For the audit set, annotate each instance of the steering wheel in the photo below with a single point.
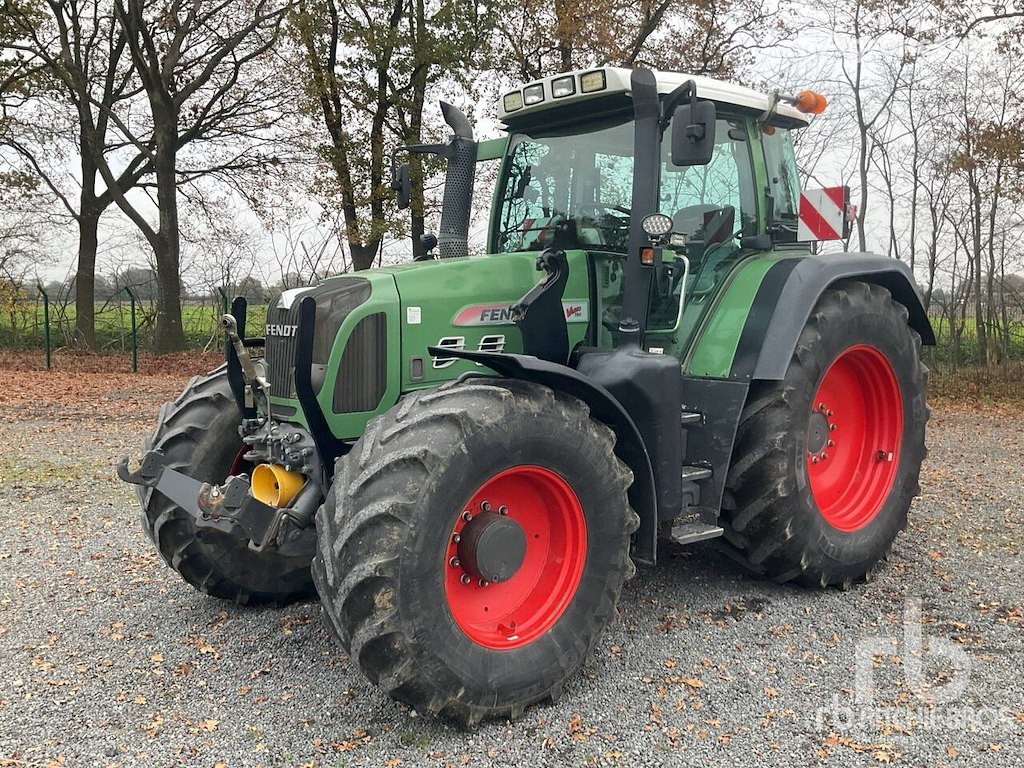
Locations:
(596, 210)
(611, 318)
(612, 221)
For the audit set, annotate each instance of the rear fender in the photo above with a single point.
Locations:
(629, 446)
(787, 296)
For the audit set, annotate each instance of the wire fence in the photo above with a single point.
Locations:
(23, 323)
(959, 368)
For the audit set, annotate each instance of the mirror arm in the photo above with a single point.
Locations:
(773, 107)
(441, 150)
(684, 93)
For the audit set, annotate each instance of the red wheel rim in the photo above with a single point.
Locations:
(240, 463)
(854, 436)
(521, 609)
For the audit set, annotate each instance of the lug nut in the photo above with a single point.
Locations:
(829, 413)
(831, 443)
(824, 455)
(831, 427)
(483, 582)
(467, 515)
(814, 459)
(454, 562)
(456, 538)
(485, 506)
(821, 406)
(502, 510)
(465, 578)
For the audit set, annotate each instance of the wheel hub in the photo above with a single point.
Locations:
(492, 547)
(817, 432)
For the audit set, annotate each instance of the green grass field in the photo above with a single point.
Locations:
(24, 327)
(968, 353)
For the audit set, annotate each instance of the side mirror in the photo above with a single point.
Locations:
(693, 133)
(402, 186)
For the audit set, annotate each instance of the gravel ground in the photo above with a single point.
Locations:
(107, 658)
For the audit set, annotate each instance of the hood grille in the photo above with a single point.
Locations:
(335, 300)
(280, 350)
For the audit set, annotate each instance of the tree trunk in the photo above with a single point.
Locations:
(89, 211)
(915, 183)
(993, 356)
(85, 277)
(419, 93)
(862, 178)
(976, 255)
(1003, 313)
(170, 336)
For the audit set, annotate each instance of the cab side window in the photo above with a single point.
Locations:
(783, 181)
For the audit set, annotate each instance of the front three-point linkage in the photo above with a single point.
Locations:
(229, 508)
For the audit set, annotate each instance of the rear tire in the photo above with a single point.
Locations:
(387, 569)
(198, 435)
(826, 462)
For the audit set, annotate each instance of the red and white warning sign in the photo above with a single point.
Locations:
(824, 214)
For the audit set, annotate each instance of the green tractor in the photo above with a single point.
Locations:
(465, 458)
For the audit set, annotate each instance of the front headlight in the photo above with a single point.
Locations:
(593, 81)
(513, 101)
(533, 94)
(563, 86)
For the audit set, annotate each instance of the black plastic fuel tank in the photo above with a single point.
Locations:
(649, 387)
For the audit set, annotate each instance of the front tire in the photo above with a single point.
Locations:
(513, 461)
(198, 435)
(826, 462)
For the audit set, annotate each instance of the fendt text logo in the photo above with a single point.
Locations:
(276, 329)
(501, 314)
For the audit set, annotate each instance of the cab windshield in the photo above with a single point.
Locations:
(575, 183)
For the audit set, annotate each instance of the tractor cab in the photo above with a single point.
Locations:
(568, 173)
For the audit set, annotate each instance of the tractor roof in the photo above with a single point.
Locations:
(592, 84)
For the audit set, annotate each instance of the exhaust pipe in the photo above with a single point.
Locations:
(453, 237)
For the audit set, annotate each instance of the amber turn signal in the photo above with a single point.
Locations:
(810, 102)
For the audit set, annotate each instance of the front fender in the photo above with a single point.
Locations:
(629, 446)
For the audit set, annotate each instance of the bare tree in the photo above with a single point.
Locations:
(873, 45)
(68, 58)
(369, 65)
(543, 37)
(21, 255)
(307, 251)
(199, 65)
